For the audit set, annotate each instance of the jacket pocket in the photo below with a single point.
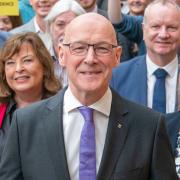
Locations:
(133, 174)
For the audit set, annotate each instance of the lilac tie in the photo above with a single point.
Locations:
(87, 156)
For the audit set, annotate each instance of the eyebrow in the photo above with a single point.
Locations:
(21, 57)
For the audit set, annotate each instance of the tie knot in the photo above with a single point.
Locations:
(86, 112)
(160, 73)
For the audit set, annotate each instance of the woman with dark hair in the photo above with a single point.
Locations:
(9, 22)
(26, 76)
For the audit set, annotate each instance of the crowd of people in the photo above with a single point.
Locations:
(90, 90)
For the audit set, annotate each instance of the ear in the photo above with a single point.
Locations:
(61, 55)
(143, 29)
(117, 55)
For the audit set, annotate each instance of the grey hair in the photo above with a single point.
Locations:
(162, 2)
(61, 7)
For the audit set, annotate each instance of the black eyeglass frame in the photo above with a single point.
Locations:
(88, 45)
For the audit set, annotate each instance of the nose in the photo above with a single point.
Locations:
(90, 56)
(163, 32)
(19, 67)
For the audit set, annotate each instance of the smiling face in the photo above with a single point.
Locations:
(87, 4)
(137, 7)
(42, 7)
(5, 23)
(89, 74)
(162, 31)
(24, 72)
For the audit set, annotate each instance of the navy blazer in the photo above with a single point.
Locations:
(129, 79)
(173, 127)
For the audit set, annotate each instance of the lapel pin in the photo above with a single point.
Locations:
(119, 125)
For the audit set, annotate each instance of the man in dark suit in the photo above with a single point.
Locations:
(45, 140)
(135, 79)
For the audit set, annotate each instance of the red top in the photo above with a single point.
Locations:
(3, 108)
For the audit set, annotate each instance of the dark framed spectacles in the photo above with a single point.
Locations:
(81, 48)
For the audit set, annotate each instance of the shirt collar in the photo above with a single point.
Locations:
(103, 105)
(37, 28)
(170, 68)
(95, 9)
(53, 54)
(11, 105)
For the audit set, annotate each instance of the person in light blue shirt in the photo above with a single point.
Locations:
(3, 37)
(26, 11)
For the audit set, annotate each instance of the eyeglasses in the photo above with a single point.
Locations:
(81, 48)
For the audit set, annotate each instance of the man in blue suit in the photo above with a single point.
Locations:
(135, 79)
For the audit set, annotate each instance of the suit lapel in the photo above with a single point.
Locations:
(115, 138)
(173, 126)
(141, 80)
(177, 105)
(53, 128)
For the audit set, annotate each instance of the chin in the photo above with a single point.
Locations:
(44, 14)
(163, 52)
(90, 88)
(22, 89)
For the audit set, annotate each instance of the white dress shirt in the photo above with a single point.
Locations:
(170, 83)
(95, 10)
(37, 28)
(72, 126)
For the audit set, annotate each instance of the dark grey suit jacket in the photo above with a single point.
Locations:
(136, 146)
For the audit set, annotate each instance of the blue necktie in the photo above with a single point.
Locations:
(159, 96)
(87, 155)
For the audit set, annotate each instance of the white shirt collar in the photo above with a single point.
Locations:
(170, 68)
(103, 105)
(37, 28)
(95, 10)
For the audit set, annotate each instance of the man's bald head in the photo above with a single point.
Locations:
(89, 53)
(91, 23)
